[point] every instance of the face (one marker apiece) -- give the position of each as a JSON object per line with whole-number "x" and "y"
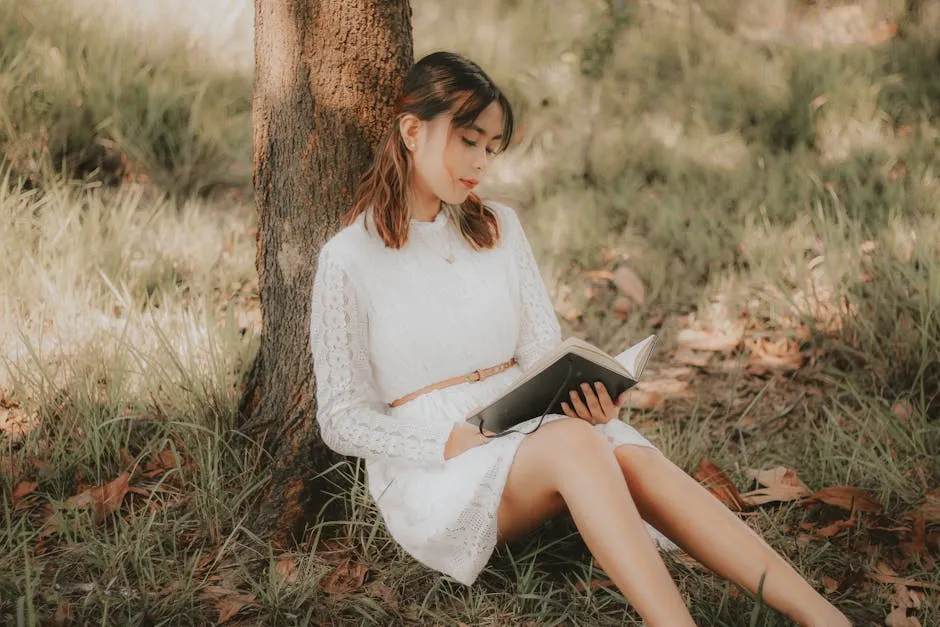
{"x": 450, "y": 162}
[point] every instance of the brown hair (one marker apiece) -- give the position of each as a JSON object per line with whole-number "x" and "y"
{"x": 438, "y": 83}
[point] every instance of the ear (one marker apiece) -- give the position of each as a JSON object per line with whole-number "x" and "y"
{"x": 410, "y": 127}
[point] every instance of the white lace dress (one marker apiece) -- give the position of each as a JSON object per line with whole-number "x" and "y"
{"x": 386, "y": 322}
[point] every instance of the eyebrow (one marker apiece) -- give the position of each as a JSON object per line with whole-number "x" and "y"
{"x": 482, "y": 132}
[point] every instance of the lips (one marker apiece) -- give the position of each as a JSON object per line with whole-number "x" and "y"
{"x": 469, "y": 183}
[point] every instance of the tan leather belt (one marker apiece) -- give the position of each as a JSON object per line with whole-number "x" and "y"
{"x": 476, "y": 375}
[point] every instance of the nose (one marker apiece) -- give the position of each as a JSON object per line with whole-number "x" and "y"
{"x": 481, "y": 160}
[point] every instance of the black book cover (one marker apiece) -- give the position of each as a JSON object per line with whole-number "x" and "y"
{"x": 533, "y": 397}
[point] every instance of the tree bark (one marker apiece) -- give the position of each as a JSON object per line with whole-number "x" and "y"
{"x": 326, "y": 75}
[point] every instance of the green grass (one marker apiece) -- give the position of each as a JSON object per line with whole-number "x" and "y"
{"x": 90, "y": 103}
{"x": 790, "y": 188}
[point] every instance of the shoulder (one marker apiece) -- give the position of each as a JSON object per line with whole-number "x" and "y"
{"x": 348, "y": 244}
{"x": 509, "y": 222}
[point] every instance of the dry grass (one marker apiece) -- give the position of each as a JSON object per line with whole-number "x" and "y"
{"x": 751, "y": 176}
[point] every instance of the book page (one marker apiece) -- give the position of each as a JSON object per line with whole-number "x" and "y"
{"x": 634, "y": 358}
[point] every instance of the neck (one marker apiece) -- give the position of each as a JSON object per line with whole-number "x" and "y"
{"x": 423, "y": 206}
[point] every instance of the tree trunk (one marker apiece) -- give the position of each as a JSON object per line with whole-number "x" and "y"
{"x": 326, "y": 75}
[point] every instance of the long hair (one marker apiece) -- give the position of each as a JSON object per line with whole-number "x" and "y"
{"x": 440, "y": 82}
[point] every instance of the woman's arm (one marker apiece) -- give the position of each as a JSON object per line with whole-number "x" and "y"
{"x": 352, "y": 418}
{"x": 539, "y": 330}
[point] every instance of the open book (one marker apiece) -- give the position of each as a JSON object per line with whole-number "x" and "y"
{"x": 547, "y": 382}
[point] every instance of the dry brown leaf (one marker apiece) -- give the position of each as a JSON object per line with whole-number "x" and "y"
{"x": 381, "y": 590}
{"x": 830, "y": 584}
{"x": 902, "y": 599}
{"x": 629, "y": 284}
{"x": 676, "y": 373}
{"x": 668, "y": 388}
{"x": 715, "y": 341}
{"x": 640, "y": 399}
{"x": 15, "y": 424}
{"x": 782, "y": 354}
{"x": 836, "y": 527}
{"x": 348, "y": 576}
{"x": 623, "y": 306}
{"x": 227, "y": 602}
{"x": 63, "y": 614}
{"x": 847, "y": 498}
{"x": 899, "y": 618}
{"x": 160, "y": 463}
{"x": 903, "y": 409}
{"x": 931, "y": 507}
{"x": 688, "y": 561}
{"x": 286, "y": 567}
{"x": 599, "y": 275}
{"x": 24, "y": 488}
{"x": 102, "y": 500}
{"x": 780, "y": 484}
{"x": 719, "y": 484}
{"x": 910, "y": 583}
{"x": 692, "y": 358}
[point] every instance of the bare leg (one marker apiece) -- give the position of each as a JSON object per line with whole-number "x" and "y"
{"x": 566, "y": 463}
{"x": 690, "y": 516}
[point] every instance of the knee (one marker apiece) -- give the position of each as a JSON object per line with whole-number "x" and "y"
{"x": 572, "y": 438}
{"x": 637, "y": 457}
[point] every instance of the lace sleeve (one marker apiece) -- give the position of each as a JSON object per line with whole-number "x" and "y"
{"x": 539, "y": 329}
{"x": 350, "y": 414}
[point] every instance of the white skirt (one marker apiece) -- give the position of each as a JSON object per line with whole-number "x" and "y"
{"x": 444, "y": 515}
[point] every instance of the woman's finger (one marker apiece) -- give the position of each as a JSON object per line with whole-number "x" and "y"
{"x": 594, "y": 405}
{"x": 607, "y": 405}
{"x": 579, "y": 406}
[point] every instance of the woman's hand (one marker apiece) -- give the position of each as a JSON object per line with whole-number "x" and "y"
{"x": 464, "y": 437}
{"x": 600, "y": 407}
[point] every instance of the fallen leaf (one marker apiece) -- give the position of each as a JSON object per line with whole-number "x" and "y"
{"x": 903, "y": 409}
{"x": 227, "y": 602}
{"x": 898, "y": 618}
{"x": 160, "y": 463}
{"x": 931, "y": 507}
{"x": 622, "y": 307}
{"x": 847, "y": 498}
{"x": 24, "y": 488}
{"x": 14, "y": 424}
{"x": 782, "y": 354}
{"x": 348, "y": 576}
{"x": 719, "y": 484}
{"x": 629, "y": 284}
{"x": 676, "y": 373}
{"x": 830, "y": 584}
{"x": 780, "y": 485}
{"x": 640, "y": 399}
{"x": 102, "y": 500}
{"x": 688, "y": 561}
{"x": 383, "y": 592}
{"x": 599, "y": 275}
{"x": 286, "y": 568}
{"x": 836, "y": 527}
{"x": 668, "y": 388}
{"x": 716, "y": 341}
{"x": 692, "y": 358}
{"x": 910, "y": 583}
{"x": 63, "y": 614}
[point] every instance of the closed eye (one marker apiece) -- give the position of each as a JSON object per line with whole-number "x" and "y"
{"x": 473, "y": 143}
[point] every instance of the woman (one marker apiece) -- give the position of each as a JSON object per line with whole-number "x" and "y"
{"x": 426, "y": 284}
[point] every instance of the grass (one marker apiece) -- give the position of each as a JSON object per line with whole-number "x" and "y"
{"x": 768, "y": 183}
